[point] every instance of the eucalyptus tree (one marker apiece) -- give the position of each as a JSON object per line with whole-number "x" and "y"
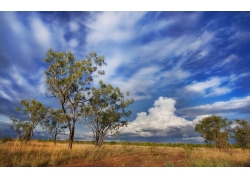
{"x": 54, "y": 123}
{"x": 68, "y": 79}
{"x": 35, "y": 113}
{"x": 105, "y": 112}
{"x": 241, "y": 133}
{"x": 214, "y": 129}
{"x": 21, "y": 127}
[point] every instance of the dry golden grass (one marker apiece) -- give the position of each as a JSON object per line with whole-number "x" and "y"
{"x": 45, "y": 154}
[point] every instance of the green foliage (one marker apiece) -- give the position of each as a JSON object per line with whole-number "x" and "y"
{"x": 68, "y": 79}
{"x": 54, "y": 123}
{"x": 6, "y": 139}
{"x": 105, "y": 111}
{"x": 241, "y": 133}
{"x": 214, "y": 129}
{"x": 35, "y": 113}
{"x": 112, "y": 142}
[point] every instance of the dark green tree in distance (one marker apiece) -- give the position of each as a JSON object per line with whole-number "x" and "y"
{"x": 54, "y": 123}
{"x": 241, "y": 133}
{"x": 68, "y": 79}
{"x": 106, "y": 111}
{"x": 214, "y": 129}
{"x": 35, "y": 113}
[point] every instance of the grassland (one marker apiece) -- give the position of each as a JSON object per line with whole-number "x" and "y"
{"x": 45, "y": 154}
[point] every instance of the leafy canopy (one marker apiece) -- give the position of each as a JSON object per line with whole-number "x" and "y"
{"x": 214, "y": 129}
{"x": 106, "y": 111}
{"x": 241, "y": 133}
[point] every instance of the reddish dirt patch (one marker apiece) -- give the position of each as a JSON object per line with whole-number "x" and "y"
{"x": 135, "y": 160}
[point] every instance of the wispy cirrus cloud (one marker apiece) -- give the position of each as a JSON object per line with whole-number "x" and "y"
{"x": 111, "y": 26}
{"x": 208, "y": 88}
{"x": 235, "y": 105}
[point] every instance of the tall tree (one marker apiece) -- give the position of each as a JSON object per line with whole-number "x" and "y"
{"x": 105, "y": 113}
{"x": 35, "y": 113}
{"x": 54, "y": 123}
{"x": 68, "y": 80}
{"x": 241, "y": 133}
{"x": 214, "y": 129}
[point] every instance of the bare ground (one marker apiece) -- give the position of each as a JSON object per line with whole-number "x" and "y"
{"x": 144, "y": 159}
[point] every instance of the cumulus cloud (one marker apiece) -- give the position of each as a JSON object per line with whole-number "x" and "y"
{"x": 161, "y": 121}
{"x": 235, "y": 105}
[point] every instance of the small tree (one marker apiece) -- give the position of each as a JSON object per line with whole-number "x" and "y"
{"x": 214, "y": 130}
{"x": 241, "y": 133}
{"x": 35, "y": 111}
{"x": 105, "y": 113}
{"x": 68, "y": 80}
{"x": 22, "y": 128}
{"x": 54, "y": 123}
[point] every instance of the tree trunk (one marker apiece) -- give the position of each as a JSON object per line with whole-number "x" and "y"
{"x": 54, "y": 139}
{"x": 96, "y": 139}
{"x": 100, "y": 141}
{"x": 71, "y": 135}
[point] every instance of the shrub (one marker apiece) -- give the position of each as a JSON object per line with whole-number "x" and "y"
{"x": 6, "y": 139}
{"x": 112, "y": 142}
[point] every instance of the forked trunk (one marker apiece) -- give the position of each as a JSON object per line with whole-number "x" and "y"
{"x": 98, "y": 140}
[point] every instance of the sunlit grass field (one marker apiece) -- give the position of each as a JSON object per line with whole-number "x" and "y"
{"x": 46, "y": 154}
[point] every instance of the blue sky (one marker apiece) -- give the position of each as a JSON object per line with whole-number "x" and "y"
{"x": 178, "y": 66}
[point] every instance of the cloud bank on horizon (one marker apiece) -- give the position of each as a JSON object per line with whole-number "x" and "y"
{"x": 180, "y": 66}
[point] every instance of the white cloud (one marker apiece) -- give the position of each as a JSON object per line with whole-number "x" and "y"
{"x": 123, "y": 27}
{"x": 140, "y": 82}
{"x": 235, "y": 105}
{"x": 112, "y": 26}
{"x": 6, "y": 96}
{"x": 203, "y": 40}
{"x": 4, "y": 118}
{"x": 40, "y": 87}
{"x": 5, "y": 82}
{"x": 234, "y": 77}
{"x": 174, "y": 76}
{"x": 209, "y": 88}
{"x": 73, "y": 26}
{"x": 18, "y": 77}
{"x": 40, "y": 32}
{"x": 229, "y": 59}
{"x": 73, "y": 43}
{"x": 14, "y": 23}
{"x": 199, "y": 118}
{"x": 160, "y": 121}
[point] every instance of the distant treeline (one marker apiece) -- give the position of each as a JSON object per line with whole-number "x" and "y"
{"x": 126, "y": 143}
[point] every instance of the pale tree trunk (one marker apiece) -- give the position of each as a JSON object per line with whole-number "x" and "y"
{"x": 99, "y": 140}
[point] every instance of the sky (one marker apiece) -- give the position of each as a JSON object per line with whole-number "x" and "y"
{"x": 178, "y": 66}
